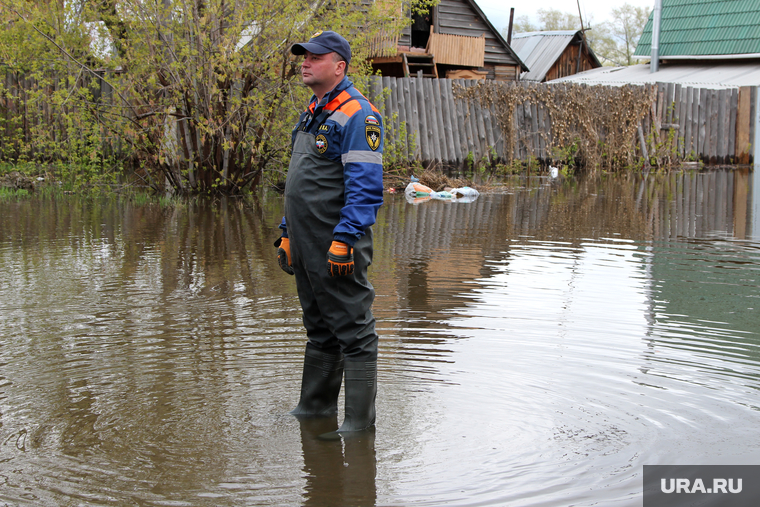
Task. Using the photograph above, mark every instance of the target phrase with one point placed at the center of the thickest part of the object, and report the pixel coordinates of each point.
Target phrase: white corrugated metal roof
(702, 75)
(540, 50)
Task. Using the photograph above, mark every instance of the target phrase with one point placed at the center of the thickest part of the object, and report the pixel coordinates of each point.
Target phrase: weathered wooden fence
(27, 107)
(715, 126)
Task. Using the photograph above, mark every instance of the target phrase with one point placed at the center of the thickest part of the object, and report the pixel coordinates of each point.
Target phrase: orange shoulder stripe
(334, 103)
(350, 108)
(368, 102)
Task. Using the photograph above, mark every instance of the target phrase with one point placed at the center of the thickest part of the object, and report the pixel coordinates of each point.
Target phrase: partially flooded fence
(716, 126)
(441, 127)
(441, 121)
(444, 129)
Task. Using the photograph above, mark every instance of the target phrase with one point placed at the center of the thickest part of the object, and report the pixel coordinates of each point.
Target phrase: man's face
(320, 70)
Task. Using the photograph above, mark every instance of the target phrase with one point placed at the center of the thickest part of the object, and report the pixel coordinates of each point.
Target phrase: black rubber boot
(320, 385)
(360, 393)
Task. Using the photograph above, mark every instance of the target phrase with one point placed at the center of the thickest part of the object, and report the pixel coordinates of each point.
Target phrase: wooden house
(554, 54)
(454, 39)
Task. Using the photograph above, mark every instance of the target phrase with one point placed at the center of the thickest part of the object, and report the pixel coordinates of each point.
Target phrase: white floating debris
(417, 192)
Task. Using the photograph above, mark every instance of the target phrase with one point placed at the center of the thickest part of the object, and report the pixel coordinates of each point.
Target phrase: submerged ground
(539, 346)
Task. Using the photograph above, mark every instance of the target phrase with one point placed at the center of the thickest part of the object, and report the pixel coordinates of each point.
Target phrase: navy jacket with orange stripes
(348, 129)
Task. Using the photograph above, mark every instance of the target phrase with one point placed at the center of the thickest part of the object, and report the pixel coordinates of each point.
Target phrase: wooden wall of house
(457, 17)
(405, 39)
(502, 72)
(567, 63)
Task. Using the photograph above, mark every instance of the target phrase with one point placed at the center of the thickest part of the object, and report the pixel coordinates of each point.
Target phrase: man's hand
(283, 255)
(340, 259)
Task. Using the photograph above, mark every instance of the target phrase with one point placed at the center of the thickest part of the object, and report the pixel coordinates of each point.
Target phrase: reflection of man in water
(333, 190)
(338, 475)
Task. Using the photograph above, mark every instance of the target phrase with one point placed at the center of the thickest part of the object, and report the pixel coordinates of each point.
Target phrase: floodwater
(539, 346)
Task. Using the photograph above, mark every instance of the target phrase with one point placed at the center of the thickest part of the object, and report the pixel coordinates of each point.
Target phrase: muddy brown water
(539, 346)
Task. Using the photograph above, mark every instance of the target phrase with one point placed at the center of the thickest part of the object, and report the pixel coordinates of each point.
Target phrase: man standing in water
(333, 190)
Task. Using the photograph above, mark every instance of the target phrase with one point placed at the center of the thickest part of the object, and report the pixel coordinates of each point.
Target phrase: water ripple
(538, 347)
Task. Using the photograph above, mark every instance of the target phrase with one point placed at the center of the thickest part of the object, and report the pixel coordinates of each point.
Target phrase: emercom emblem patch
(321, 143)
(372, 132)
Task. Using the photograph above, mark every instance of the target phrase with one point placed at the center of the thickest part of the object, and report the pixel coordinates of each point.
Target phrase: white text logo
(698, 486)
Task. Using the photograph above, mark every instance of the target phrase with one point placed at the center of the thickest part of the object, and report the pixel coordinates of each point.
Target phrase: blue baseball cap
(322, 43)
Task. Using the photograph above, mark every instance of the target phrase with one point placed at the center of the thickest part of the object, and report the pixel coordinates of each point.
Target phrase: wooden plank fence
(715, 126)
(26, 109)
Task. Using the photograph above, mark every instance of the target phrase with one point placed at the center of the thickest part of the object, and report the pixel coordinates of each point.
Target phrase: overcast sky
(497, 11)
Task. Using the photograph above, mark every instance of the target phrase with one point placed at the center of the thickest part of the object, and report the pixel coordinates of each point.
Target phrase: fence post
(422, 107)
(704, 95)
(688, 121)
(734, 106)
(713, 132)
(722, 129)
(414, 131)
(449, 121)
(400, 106)
(435, 140)
(681, 135)
(472, 126)
(743, 124)
(461, 126)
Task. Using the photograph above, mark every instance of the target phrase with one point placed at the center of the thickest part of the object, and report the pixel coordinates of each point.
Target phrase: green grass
(13, 194)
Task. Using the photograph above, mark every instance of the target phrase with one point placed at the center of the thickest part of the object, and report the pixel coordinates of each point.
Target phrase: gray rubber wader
(320, 384)
(337, 311)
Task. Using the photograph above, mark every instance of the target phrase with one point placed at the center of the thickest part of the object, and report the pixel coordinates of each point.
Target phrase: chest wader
(337, 311)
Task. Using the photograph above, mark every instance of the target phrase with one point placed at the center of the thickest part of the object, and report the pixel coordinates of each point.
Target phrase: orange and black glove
(340, 259)
(283, 255)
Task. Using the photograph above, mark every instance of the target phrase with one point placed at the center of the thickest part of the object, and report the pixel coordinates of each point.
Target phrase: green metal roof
(693, 28)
